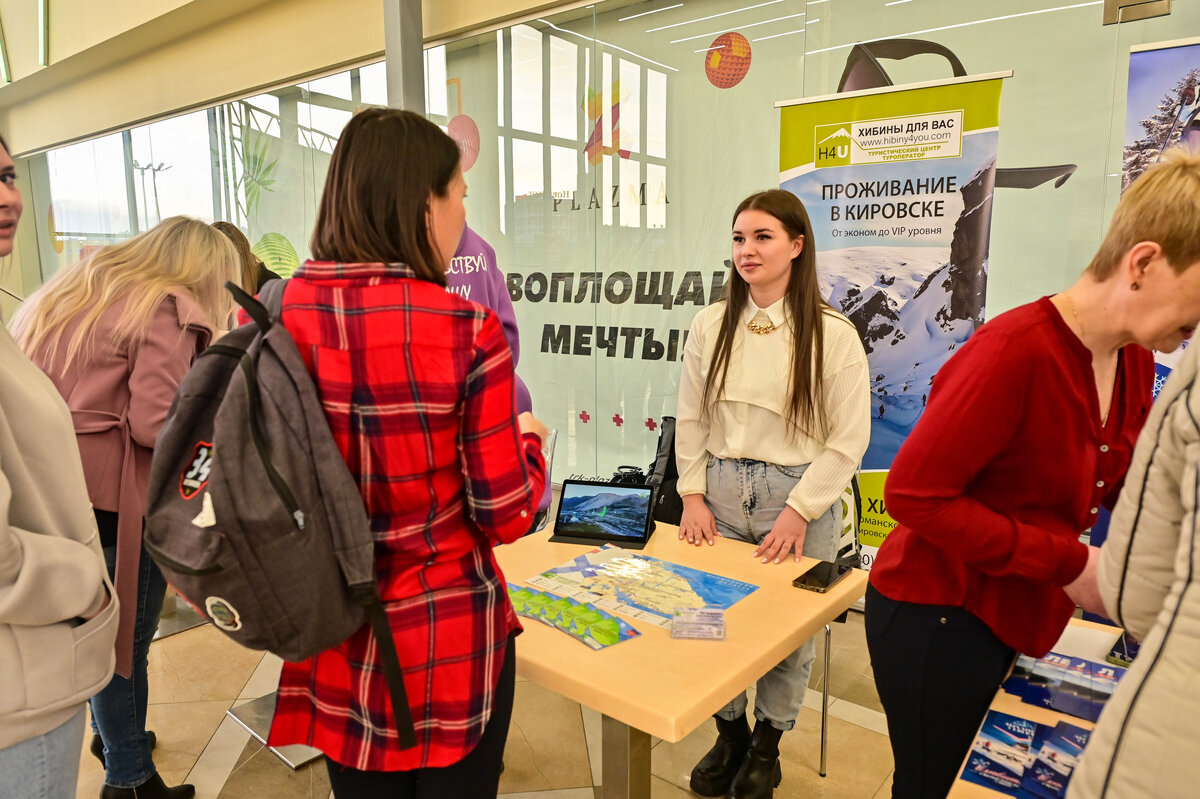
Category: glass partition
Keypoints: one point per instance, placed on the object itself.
(258, 162)
(605, 150)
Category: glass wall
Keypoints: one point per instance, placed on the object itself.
(259, 163)
(605, 150)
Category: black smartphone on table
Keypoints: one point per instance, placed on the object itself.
(822, 576)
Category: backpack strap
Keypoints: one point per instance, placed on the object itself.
(271, 297)
(365, 595)
(267, 307)
(250, 305)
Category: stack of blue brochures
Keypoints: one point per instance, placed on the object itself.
(1017, 757)
(1074, 686)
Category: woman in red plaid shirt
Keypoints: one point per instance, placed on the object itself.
(417, 384)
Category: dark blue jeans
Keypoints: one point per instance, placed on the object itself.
(119, 711)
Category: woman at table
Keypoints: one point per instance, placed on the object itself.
(1029, 428)
(417, 384)
(773, 419)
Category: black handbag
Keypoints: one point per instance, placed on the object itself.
(629, 475)
(664, 476)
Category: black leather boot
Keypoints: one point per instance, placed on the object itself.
(714, 772)
(760, 774)
(153, 788)
(97, 746)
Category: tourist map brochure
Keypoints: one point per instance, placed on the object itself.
(1048, 775)
(1069, 685)
(1002, 751)
(582, 621)
(640, 587)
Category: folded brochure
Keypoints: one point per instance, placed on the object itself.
(582, 621)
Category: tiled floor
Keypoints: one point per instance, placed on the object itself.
(553, 744)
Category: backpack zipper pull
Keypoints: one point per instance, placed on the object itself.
(298, 516)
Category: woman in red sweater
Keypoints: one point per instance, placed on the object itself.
(417, 385)
(1029, 428)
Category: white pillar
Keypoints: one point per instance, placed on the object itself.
(405, 64)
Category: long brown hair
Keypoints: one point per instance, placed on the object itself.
(246, 257)
(805, 408)
(384, 168)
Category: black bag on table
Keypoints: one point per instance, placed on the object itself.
(667, 505)
(664, 475)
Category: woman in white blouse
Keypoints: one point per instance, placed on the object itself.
(773, 419)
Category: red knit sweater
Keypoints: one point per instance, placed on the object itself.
(1007, 466)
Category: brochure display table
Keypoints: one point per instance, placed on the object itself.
(656, 685)
(1084, 639)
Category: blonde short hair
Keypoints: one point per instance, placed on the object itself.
(1163, 206)
(179, 254)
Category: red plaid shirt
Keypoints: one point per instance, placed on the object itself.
(417, 384)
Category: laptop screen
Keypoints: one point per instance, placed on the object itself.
(603, 511)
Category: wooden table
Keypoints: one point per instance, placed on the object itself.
(1083, 639)
(656, 685)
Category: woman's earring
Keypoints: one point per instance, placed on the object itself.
(1134, 286)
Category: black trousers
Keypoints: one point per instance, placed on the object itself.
(476, 776)
(937, 669)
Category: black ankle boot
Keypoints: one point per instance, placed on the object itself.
(153, 788)
(760, 773)
(714, 772)
(97, 746)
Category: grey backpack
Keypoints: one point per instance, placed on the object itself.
(253, 516)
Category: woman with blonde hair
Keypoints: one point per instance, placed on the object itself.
(116, 333)
(1030, 428)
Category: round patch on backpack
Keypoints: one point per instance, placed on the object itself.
(223, 614)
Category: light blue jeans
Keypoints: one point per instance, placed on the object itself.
(45, 767)
(746, 497)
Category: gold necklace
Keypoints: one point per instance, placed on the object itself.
(1075, 316)
(761, 328)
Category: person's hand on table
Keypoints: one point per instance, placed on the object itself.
(697, 523)
(1084, 590)
(787, 535)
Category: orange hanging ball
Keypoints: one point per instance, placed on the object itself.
(727, 60)
(465, 133)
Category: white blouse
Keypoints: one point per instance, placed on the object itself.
(749, 421)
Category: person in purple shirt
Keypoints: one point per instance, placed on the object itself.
(474, 275)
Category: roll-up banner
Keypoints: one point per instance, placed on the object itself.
(898, 183)
(1162, 111)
